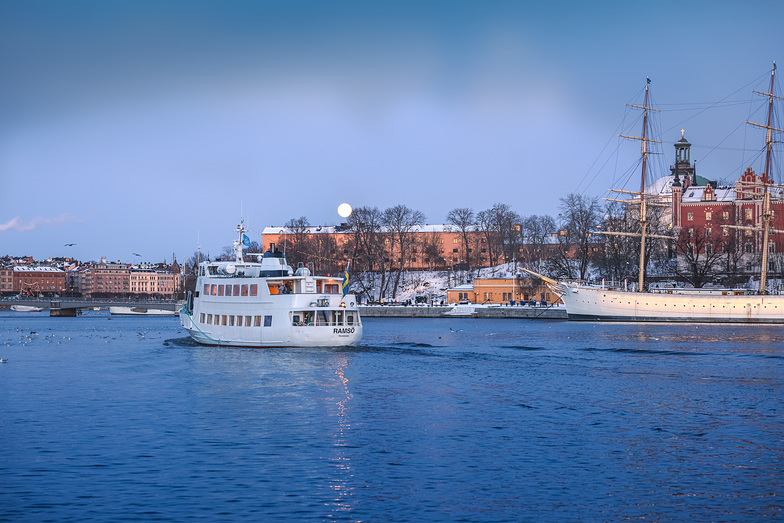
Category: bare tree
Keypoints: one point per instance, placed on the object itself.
(464, 222)
(538, 232)
(401, 223)
(579, 216)
(365, 224)
(295, 243)
(701, 256)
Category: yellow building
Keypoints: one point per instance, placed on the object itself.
(502, 290)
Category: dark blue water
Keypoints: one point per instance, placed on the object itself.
(430, 420)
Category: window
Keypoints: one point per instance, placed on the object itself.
(708, 249)
(772, 248)
(231, 321)
(236, 290)
(228, 290)
(206, 289)
(725, 231)
(691, 249)
(691, 232)
(254, 291)
(725, 215)
(748, 248)
(257, 321)
(454, 240)
(708, 215)
(268, 321)
(690, 216)
(244, 290)
(748, 214)
(220, 290)
(209, 319)
(708, 231)
(201, 318)
(247, 321)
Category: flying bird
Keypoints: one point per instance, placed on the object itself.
(70, 244)
(136, 254)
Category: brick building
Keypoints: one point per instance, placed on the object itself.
(37, 280)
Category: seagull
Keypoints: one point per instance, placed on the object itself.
(70, 244)
(136, 254)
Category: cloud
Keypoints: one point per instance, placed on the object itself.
(16, 224)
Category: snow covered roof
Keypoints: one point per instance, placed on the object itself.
(36, 269)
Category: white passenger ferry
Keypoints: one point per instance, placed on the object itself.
(266, 304)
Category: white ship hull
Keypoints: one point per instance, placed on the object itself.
(132, 311)
(590, 303)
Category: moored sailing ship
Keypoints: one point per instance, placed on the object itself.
(673, 304)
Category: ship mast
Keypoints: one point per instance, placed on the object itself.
(767, 214)
(643, 204)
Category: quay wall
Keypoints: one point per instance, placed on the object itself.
(402, 311)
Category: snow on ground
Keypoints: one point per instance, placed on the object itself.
(435, 283)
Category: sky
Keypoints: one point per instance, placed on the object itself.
(152, 127)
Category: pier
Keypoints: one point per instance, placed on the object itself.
(463, 311)
(68, 307)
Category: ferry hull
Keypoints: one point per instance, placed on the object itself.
(585, 303)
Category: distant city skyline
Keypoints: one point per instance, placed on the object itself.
(132, 131)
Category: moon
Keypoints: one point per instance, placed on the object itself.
(344, 210)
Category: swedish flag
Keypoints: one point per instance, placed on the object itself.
(346, 277)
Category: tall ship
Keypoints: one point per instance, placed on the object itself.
(637, 303)
(265, 303)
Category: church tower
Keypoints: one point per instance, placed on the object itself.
(683, 167)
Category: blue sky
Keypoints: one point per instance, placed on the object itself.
(134, 126)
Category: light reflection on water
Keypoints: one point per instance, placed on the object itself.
(427, 420)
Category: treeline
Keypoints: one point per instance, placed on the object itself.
(383, 244)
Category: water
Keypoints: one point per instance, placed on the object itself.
(430, 420)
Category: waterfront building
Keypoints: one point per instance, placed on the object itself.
(37, 280)
(501, 290)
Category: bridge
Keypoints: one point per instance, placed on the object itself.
(68, 307)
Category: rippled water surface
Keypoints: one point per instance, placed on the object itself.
(429, 420)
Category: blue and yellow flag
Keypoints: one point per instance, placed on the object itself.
(344, 286)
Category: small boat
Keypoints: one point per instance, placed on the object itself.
(265, 303)
(26, 308)
(132, 311)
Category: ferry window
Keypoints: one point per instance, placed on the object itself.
(223, 319)
(213, 289)
(201, 318)
(236, 290)
(244, 290)
(231, 321)
(257, 321)
(321, 318)
(268, 321)
(206, 289)
(220, 290)
(339, 317)
(254, 289)
(228, 290)
(295, 319)
(350, 319)
(247, 321)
